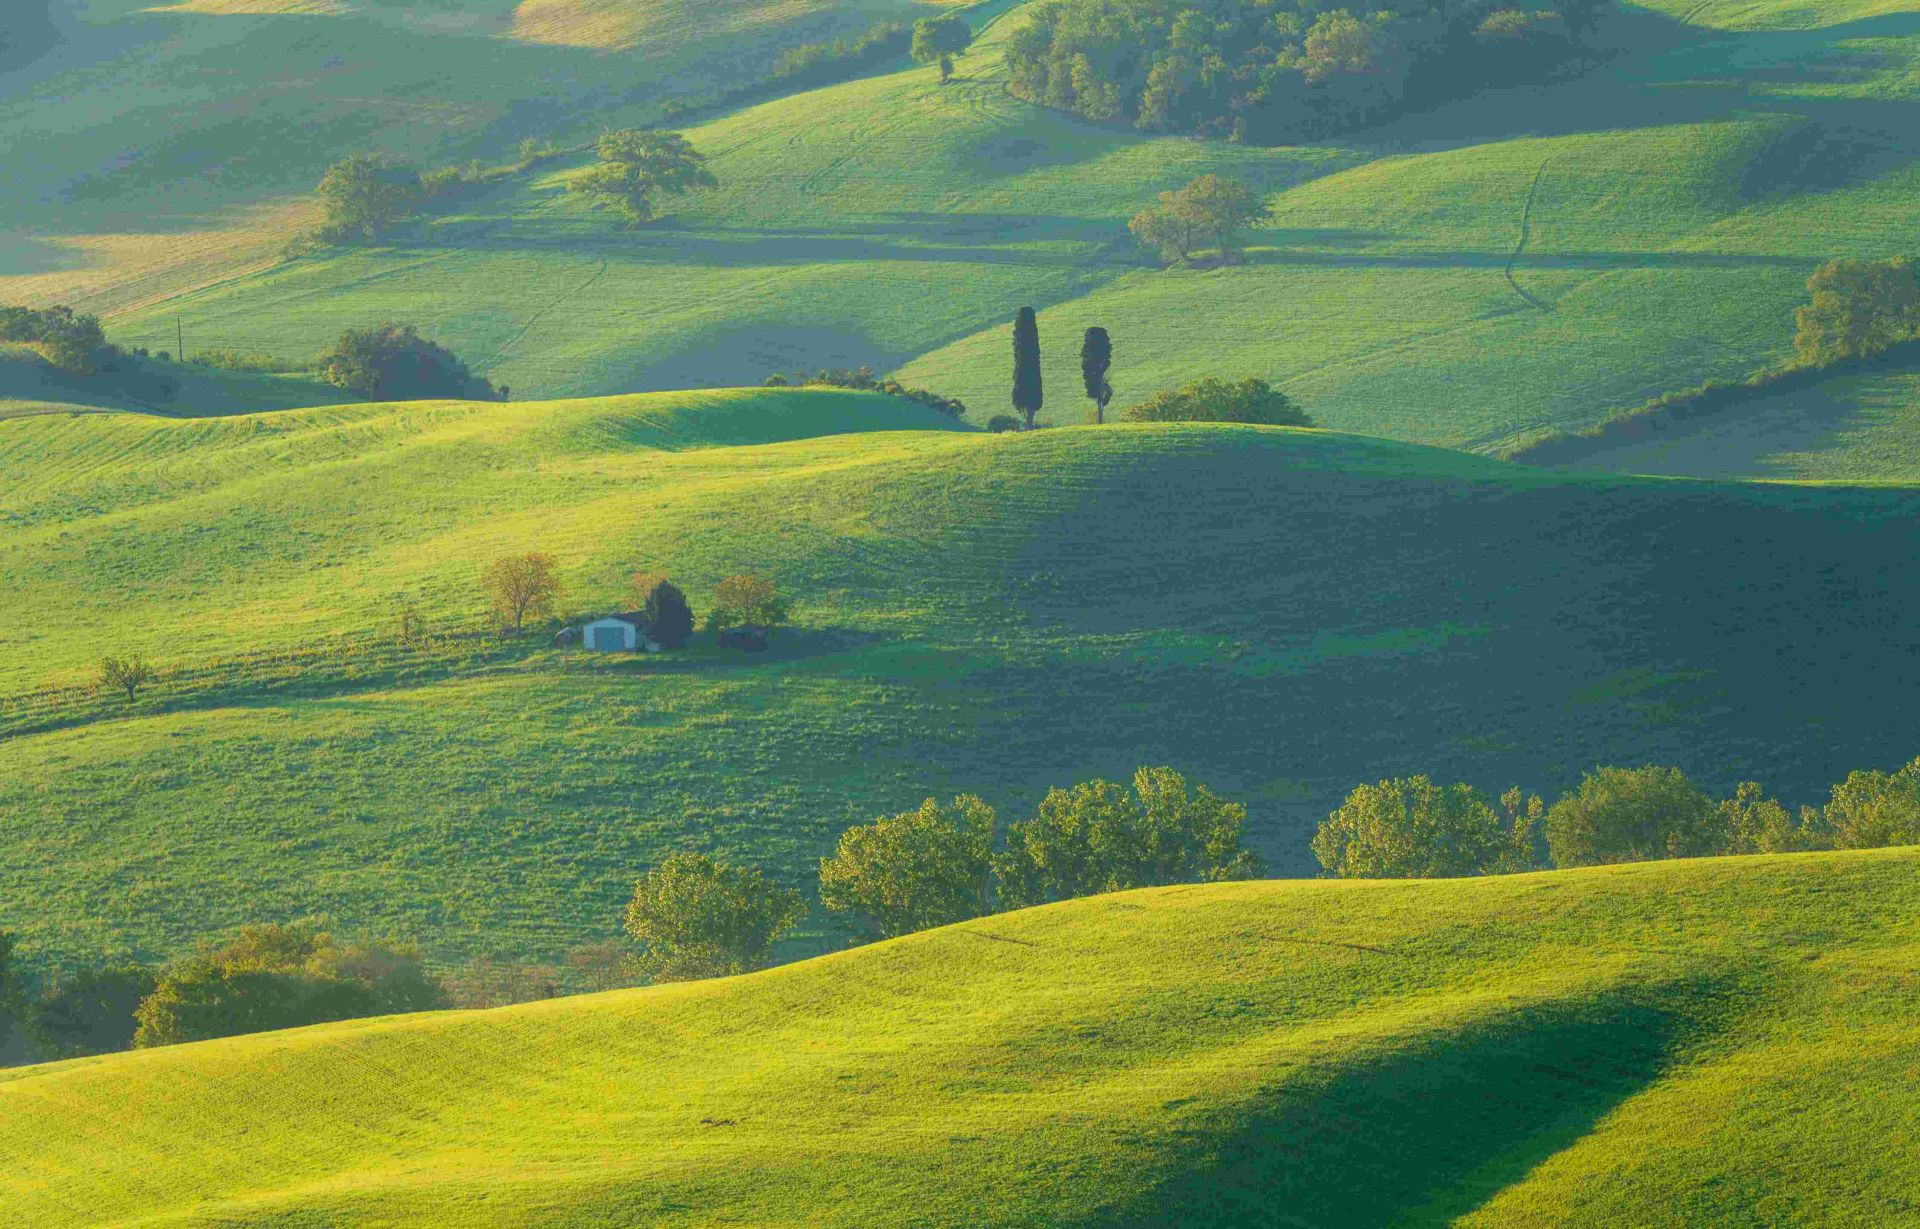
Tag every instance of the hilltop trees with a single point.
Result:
(393, 362)
(1212, 400)
(1027, 392)
(1871, 809)
(1210, 206)
(696, 916)
(364, 195)
(1859, 308)
(939, 40)
(1632, 815)
(913, 871)
(638, 166)
(521, 587)
(1410, 828)
(1096, 356)
(65, 339)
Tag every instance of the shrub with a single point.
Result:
(1212, 400)
(1003, 422)
(913, 871)
(1410, 828)
(1097, 837)
(69, 341)
(1633, 815)
(271, 977)
(521, 587)
(1871, 809)
(746, 601)
(696, 917)
(393, 362)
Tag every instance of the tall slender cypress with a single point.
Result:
(1096, 355)
(1026, 365)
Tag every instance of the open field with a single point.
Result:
(1529, 260)
(1725, 1042)
(1279, 613)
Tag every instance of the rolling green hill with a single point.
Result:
(1724, 1042)
(1279, 613)
(1529, 260)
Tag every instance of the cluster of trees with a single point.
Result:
(863, 379)
(1859, 308)
(1029, 390)
(363, 196)
(1262, 70)
(637, 167)
(1412, 828)
(1182, 222)
(1210, 400)
(882, 40)
(393, 362)
(526, 589)
(65, 338)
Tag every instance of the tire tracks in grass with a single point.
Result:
(1526, 223)
(534, 319)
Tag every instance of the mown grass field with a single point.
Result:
(1531, 259)
(1725, 1042)
(1279, 613)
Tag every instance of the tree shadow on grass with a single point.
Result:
(1428, 1131)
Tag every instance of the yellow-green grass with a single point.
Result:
(1725, 1042)
(1279, 613)
(1544, 257)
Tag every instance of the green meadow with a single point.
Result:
(1280, 613)
(1722, 1042)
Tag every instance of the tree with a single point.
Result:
(90, 1011)
(65, 339)
(1097, 837)
(1859, 308)
(271, 977)
(393, 362)
(746, 601)
(938, 40)
(1632, 815)
(1211, 400)
(696, 917)
(128, 674)
(364, 194)
(521, 587)
(639, 165)
(1410, 828)
(1220, 206)
(669, 617)
(1096, 355)
(1872, 809)
(913, 871)
(1027, 393)
(1171, 225)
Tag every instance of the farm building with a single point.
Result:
(618, 633)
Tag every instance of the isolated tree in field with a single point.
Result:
(697, 916)
(937, 40)
(365, 194)
(1171, 225)
(1872, 809)
(1632, 815)
(393, 362)
(1211, 400)
(640, 165)
(1221, 206)
(669, 617)
(1027, 393)
(521, 587)
(1096, 355)
(747, 601)
(1859, 308)
(273, 977)
(128, 674)
(1098, 837)
(1410, 828)
(90, 1011)
(913, 871)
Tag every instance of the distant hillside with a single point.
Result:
(1279, 613)
(1714, 1043)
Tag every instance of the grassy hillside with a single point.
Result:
(1279, 613)
(1532, 259)
(1721, 1042)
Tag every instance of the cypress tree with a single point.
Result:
(1096, 355)
(1026, 365)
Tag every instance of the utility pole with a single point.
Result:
(179, 339)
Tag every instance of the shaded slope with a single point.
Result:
(1585, 1047)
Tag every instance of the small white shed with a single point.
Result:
(612, 634)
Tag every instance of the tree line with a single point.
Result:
(1255, 70)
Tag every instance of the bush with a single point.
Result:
(1096, 837)
(1211, 400)
(271, 977)
(862, 379)
(1003, 422)
(1633, 815)
(392, 362)
(68, 341)
(1410, 828)
(1871, 809)
(89, 1012)
(696, 917)
(881, 40)
(746, 601)
(914, 871)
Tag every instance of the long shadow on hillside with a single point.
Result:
(1431, 1130)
